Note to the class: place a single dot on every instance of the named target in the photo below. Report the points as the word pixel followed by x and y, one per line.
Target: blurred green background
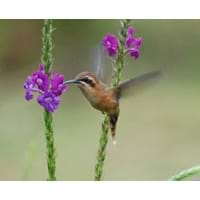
pixel 158 133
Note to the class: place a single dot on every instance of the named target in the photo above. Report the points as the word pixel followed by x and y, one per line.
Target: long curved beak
pixel 72 82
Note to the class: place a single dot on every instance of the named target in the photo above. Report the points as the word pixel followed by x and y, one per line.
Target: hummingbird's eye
pixel 88 81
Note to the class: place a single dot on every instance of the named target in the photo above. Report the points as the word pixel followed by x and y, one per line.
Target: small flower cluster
pixel 132 44
pixel 49 88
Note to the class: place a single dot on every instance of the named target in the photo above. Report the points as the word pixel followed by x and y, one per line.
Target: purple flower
pixel 40 78
pixel 133 44
pixel 138 42
pixel 131 31
pixel 28 95
pixel 49 101
pixel 49 89
pixel 29 86
pixel 57 85
pixel 111 44
pixel 134 53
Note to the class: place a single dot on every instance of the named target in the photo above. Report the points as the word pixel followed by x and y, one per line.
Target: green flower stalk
pixel 47 60
pixel 186 174
pixel 119 62
pixel 118 65
pixel 102 148
pixel 48 87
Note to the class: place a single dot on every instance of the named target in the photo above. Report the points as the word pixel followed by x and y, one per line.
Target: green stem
pixel 120 60
pixel 119 65
pixel 186 174
pixel 47 60
pixel 102 148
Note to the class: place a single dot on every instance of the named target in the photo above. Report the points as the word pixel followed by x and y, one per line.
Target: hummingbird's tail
pixel 113 124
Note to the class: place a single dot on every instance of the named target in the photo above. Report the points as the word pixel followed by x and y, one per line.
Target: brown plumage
pixel 106 99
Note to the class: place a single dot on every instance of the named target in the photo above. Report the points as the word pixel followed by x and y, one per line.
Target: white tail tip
pixel 114 142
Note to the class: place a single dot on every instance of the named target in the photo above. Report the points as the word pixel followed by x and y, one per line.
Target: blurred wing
pixel 137 84
pixel 97 61
pixel 99 66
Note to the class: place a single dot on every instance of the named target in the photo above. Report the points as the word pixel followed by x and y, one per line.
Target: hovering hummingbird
pixel 106 99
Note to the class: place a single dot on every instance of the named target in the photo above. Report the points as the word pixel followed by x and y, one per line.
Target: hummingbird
pixel 106 99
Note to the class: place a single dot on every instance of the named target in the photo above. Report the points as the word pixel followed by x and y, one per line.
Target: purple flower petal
pixel 41 79
pixel 134 52
pixel 133 44
pixel 41 68
pixel 28 95
pixel 138 42
pixel 129 41
pixel 49 101
pixel 131 31
pixel 110 44
pixel 57 84
pixel 29 84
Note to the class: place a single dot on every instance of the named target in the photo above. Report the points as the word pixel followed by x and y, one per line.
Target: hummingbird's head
pixel 85 81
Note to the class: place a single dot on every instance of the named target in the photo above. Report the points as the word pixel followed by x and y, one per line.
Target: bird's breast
pixel 104 101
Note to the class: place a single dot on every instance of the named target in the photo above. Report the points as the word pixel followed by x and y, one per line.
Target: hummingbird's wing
pixel 99 63
pixel 137 83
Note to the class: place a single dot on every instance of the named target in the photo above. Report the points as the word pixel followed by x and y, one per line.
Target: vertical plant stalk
pixel 117 69
pixel 186 174
pixel 119 62
pixel 47 60
pixel 102 148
